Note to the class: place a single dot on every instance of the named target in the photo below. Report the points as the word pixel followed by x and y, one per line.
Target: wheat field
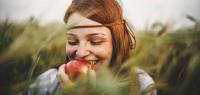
pixel 171 57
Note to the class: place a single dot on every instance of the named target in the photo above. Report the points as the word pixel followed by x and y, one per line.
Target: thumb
pixel 63 77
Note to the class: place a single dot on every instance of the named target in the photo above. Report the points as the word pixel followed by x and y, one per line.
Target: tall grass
pixel 27 50
pixel 170 57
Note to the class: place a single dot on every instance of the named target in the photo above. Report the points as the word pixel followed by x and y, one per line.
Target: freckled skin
pixel 81 42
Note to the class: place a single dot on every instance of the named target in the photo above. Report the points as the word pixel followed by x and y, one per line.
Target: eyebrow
pixel 93 34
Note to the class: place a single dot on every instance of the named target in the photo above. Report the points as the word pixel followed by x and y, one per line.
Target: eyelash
pixel 72 42
pixel 96 42
pixel 91 42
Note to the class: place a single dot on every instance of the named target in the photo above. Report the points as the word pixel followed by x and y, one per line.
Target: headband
pixel 93 26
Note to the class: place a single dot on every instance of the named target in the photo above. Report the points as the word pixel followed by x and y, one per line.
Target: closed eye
pixel 96 42
pixel 72 42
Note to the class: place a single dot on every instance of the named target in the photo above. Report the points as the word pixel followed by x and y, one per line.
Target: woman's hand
pixel 63 78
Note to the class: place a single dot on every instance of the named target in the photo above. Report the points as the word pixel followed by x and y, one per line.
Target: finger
pixel 92 73
pixel 62 76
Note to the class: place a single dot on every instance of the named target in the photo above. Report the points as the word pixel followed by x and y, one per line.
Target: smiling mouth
pixel 91 63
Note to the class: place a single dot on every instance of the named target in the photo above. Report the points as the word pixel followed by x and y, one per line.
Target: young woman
pixel 99 35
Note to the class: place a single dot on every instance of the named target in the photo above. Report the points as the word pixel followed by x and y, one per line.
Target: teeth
pixel 93 62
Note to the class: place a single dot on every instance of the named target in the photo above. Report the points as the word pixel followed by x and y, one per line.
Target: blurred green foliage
pixel 171 57
pixel 26 50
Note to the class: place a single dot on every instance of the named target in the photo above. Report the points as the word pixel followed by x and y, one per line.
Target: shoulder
pixel 144 79
pixel 48 75
pixel 45 84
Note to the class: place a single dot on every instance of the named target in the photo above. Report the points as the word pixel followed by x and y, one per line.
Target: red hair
pixel 109 14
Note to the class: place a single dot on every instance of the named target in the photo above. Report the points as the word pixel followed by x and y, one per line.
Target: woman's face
pixel 90 44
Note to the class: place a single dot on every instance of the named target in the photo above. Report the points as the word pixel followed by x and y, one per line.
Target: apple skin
pixel 75 68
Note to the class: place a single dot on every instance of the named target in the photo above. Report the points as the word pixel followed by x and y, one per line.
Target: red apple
pixel 75 68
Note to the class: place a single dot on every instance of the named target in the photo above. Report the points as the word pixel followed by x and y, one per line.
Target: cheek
pixel 104 51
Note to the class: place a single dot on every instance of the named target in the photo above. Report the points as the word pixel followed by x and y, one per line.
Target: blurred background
pixel 141 13
pixel 32 40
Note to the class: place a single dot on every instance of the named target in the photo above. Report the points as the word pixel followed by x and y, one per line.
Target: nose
pixel 82 51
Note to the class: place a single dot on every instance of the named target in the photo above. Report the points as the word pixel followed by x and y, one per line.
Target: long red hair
pixel 108 13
